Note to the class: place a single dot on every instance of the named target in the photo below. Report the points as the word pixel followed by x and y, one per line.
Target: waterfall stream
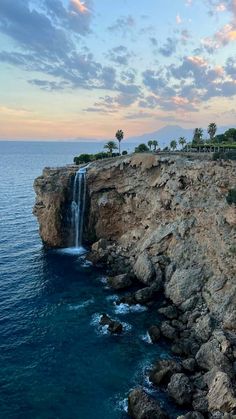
pixel 78 206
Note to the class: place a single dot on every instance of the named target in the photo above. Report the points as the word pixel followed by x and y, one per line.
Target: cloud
pixel 79 6
pixel 169 48
pixel 15 112
pixel 123 25
pixel 153 41
pixel 178 19
pixel 227 33
pixel 49 85
pixel 119 55
pixel 139 115
pixel 230 67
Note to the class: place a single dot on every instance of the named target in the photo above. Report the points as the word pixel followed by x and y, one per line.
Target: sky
pixel 72 69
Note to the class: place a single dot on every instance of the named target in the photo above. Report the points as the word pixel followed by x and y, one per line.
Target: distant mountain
pixel 168 133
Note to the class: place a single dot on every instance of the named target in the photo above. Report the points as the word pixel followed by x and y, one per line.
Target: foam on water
pixel 112 298
pixel 103 280
pixel 126 308
pixel 146 338
pixel 95 321
pixel 82 305
pixel 73 251
pixel 122 405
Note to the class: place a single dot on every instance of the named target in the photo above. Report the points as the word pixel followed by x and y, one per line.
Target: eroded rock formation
pixel 166 221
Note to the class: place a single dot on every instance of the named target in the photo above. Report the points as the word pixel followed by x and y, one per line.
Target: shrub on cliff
pixel 142 148
pixel 124 153
pixel 101 155
pixel 83 158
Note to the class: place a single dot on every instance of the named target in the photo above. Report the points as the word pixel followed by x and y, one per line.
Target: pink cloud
pixel 198 61
pixel 79 6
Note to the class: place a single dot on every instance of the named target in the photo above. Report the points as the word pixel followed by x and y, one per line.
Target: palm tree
pixel 182 141
pixel 110 146
pixel 150 143
pixel 212 128
pixel 155 144
pixel 197 136
pixel 173 144
pixel 119 137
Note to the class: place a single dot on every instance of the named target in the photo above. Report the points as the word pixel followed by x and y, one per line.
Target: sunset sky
pixel 84 69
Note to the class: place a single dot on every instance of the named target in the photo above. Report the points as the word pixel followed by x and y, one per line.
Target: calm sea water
pixel 55 362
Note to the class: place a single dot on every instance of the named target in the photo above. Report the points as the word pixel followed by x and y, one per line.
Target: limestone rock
pixel 192 415
pixel 200 402
pixel 163 370
pixel 189 364
pixel 168 331
pixel 203 328
pixel 221 396
pixel 143 406
pixel 144 269
pixel 179 388
pixel 120 282
pixel 210 356
pixel 183 284
pixel 170 312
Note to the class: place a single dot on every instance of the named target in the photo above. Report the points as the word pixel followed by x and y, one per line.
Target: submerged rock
pixel 113 325
pixel 143 406
pixel 154 333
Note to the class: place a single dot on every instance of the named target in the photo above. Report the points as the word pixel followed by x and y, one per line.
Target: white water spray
pixel 78 207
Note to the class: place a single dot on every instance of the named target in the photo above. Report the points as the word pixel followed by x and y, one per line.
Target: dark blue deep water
pixel 55 362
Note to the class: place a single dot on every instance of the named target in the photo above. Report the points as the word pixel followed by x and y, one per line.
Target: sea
pixel 55 359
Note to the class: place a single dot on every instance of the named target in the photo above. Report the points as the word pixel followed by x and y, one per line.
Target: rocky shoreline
pixel 165 224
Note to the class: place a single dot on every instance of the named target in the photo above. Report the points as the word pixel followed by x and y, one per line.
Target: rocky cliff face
pixel 166 220
pixel 53 199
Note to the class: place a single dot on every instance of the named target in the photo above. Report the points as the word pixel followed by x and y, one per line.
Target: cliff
pixel 166 220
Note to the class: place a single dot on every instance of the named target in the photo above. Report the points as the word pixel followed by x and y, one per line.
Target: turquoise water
pixel 55 361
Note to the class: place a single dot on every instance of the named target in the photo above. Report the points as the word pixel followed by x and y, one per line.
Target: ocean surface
pixel 55 360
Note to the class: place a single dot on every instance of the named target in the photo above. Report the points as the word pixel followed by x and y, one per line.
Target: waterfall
pixel 78 206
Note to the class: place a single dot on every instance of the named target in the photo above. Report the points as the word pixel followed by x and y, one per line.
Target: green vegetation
pixel 231 197
pixel 223 145
pixel 155 144
pixel 182 141
pixel 150 143
pixel 119 137
pixel 83 158
pixel 142 148
pixel 212 128
pixel 110 146
pixel 197 136
pixel 173 144
pixel 87 158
